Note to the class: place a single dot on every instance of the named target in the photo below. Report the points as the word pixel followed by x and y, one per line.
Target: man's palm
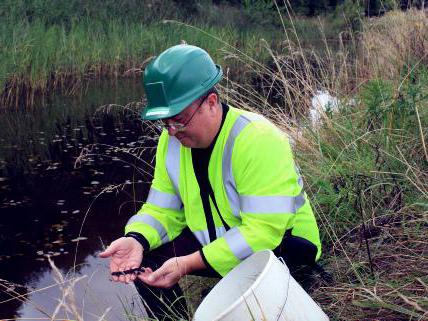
pixel 126 253
pixel 126 257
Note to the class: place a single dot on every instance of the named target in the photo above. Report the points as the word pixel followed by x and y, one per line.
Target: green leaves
pixel 377 96
pixel 390 106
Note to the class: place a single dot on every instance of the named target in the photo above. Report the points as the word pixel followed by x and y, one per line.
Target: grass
pixel 40 56
pixel 365 165
pixel 58 46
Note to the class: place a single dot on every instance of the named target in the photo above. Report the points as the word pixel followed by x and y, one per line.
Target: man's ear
pixel 212 101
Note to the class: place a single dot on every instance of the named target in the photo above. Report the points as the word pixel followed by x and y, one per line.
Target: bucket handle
pixel 282 260
pixel 288 281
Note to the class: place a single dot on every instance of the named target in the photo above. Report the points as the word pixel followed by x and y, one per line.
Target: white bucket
pixel 260 288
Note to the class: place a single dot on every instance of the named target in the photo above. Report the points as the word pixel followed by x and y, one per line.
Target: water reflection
pixel 47 205
pixel 91 298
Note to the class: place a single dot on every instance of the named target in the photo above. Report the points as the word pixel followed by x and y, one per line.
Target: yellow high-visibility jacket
pixel 256 184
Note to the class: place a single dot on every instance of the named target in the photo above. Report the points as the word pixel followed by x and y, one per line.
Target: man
pixel 225 186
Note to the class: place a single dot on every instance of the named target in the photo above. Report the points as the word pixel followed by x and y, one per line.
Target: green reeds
pixel 38 58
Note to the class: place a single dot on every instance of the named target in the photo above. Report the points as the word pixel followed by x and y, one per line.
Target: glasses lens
pixel 180 126
pixel 173 126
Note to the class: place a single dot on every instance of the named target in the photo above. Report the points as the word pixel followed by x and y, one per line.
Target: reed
pixel 38 58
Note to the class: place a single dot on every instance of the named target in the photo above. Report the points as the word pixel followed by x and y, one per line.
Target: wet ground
pixel 56 203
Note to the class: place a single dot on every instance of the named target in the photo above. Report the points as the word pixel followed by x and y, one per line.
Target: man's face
pixel 189 125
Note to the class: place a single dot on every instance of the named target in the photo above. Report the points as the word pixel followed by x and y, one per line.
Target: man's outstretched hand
pixel 126 253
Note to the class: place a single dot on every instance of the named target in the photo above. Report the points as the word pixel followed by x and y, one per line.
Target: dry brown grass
pixel 386 48
pixel 393 283
pixel 66 304
pixel 398 290
pixel 394 41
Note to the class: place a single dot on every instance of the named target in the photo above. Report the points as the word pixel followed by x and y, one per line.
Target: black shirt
pixel 201 158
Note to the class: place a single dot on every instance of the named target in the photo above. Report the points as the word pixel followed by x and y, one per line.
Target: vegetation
pixel 39 59
pixel 59 45
pixel 48 46
pixel 365 165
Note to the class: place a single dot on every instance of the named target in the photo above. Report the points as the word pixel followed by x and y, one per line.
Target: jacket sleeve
pixel 161 218
pixel 269 195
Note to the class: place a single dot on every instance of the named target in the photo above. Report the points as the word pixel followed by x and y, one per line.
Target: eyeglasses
pixel 179 127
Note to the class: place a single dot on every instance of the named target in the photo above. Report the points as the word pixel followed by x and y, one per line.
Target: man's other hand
pixel 172 270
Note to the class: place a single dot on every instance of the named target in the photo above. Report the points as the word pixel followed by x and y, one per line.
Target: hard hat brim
pixel 161 112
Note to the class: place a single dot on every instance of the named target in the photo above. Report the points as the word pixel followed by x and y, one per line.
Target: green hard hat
pixel 176 78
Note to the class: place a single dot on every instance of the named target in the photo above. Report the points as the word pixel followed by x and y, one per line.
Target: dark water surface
pixel 50 207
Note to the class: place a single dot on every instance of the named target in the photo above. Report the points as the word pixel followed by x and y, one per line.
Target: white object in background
pixel 321 102
pixel 259 288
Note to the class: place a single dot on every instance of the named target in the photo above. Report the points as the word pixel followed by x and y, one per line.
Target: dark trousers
pixel 169 304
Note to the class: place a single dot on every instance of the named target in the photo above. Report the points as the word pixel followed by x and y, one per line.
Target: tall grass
pixel 49 46
pixel 60 49
pixel 395 42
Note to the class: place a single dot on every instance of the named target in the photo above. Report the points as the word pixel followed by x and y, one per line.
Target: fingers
pixel 107 253
pixel 151 280
pixel 163 281
pixel 158 274
pixel 164 277
pixel 144 275
pixel 130 277
pixel 125 274
pixel 110 250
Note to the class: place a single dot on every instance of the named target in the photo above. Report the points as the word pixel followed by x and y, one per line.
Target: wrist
pixel 140 238
pixel 193 262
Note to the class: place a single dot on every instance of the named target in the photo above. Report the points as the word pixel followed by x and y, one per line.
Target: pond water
pixel 51 205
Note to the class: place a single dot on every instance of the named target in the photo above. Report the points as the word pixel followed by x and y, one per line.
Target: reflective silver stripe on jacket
pixel 237 243
pixel 203 236
pixel 228 180
pixel 271 204
pixel 220 231
pixel 300 200
pixel 173 162
pixel 150 220
pixel 300 181
pixel 165 200
pixel 300 178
